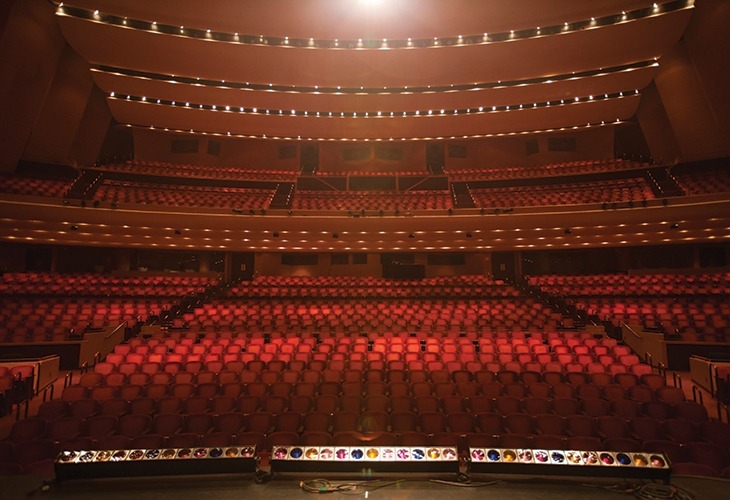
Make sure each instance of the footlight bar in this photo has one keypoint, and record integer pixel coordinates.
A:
(364, 458)
(89, 464)
(628, 464)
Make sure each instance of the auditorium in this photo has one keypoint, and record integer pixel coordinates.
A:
(364, 247)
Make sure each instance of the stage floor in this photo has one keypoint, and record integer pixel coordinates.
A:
(411, 486)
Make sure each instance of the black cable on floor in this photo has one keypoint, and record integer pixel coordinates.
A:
(347, 488)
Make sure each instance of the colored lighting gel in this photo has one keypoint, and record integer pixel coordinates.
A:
(296, 453)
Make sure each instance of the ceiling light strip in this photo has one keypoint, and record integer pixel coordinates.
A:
(378, 43)
(376, 139)
(316, 89)
(375, 114)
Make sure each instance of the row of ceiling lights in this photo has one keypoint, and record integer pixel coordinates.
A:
(375, 139)
(371, 114)
(380, 43)
(362, 90)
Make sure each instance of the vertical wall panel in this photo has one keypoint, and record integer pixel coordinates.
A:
(92, 129)
(30, 49)
(55, 129)
(708, 45)
(656, 127)
(687, 106)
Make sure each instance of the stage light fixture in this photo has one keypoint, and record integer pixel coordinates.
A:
(600, 463)
(89, 464)
(364, 458)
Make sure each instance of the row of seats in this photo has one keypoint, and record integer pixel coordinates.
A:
(644, 284)
(695, 183)
(233, 421)
(257, 372)
(691, 306)
(31, 186)
(25, 319)
(372, 200)
(353, 286)
(358, 315)
(324, 172)
(183, 195)
(609, 191)
(101, 285)
(568, 168)
(201, 171)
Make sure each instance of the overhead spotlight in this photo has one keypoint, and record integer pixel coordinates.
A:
(275, 234)
(178, 232)
(468, 235)
(411, 235)
(74, 227)
(568, 231)
(335, 235)
(674, 226)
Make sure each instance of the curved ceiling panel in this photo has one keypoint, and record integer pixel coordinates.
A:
(533, 57)
(362, 18)
(397, 102)
(423, 126)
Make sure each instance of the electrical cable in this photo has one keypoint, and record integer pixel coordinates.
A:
(656, 491)
(348, 488)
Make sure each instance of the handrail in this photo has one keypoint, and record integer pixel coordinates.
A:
(677, 380)
(123, 324)
(68, 379)
(649, 359)
(697, 395)
(628, 327)
(720, 407)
